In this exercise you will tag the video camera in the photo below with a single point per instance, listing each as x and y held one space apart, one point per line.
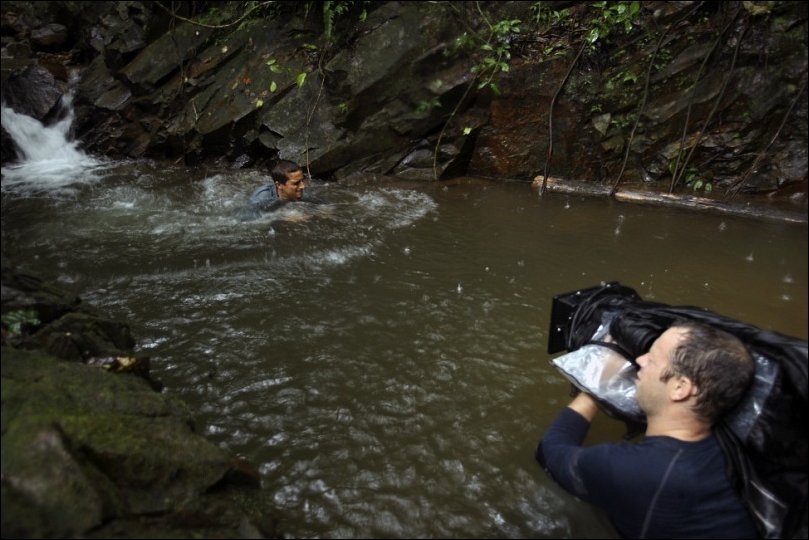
573 314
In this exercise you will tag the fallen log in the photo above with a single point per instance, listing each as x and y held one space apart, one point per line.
689 202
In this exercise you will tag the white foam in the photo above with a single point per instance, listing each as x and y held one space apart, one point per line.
50 161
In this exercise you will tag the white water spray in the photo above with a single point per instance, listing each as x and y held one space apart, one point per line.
50 161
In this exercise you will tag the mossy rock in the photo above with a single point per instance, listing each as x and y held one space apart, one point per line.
82 447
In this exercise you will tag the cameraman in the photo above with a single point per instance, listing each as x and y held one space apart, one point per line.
672 484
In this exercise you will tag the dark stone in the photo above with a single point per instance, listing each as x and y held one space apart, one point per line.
50 36
32 91
89 450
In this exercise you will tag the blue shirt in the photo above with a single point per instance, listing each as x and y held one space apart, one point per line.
265 199
660 487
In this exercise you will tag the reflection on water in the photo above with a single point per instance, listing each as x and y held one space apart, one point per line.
381 358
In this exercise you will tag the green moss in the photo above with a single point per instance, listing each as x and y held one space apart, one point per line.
81 445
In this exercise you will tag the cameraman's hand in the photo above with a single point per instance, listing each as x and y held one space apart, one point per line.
585 406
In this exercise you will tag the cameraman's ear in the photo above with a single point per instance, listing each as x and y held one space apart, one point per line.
681 388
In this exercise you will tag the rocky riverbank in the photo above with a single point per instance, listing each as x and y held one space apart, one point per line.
90 447
702 94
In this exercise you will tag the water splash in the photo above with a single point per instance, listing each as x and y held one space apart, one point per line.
51 162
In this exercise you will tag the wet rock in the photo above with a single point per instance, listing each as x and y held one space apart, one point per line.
50 36
46 493
32 91
120 30
363 105
164 56
418 165
116 98
81 446
22 291
90 447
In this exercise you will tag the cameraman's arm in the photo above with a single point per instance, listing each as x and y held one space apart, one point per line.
585 406
561 446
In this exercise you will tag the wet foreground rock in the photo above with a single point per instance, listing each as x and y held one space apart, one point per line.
91 449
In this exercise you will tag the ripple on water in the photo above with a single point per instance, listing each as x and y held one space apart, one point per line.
334 350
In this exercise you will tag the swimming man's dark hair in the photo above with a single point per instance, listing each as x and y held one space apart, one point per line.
282 169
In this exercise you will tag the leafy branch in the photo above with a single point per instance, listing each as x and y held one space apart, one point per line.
497 53
215 26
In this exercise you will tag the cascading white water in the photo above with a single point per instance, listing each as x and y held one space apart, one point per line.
51 162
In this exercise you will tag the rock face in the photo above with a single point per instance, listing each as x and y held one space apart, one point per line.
89 448
406 91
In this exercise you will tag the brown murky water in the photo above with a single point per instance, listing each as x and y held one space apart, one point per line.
381 358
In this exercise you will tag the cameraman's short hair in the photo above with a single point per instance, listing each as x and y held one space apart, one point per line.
717 362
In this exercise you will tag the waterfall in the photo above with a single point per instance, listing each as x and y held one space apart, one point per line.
50 161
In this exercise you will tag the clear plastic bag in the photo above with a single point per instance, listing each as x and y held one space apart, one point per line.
604 374
610 378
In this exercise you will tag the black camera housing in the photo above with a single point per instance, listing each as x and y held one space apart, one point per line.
564 306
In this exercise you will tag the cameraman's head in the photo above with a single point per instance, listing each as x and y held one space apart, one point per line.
696 365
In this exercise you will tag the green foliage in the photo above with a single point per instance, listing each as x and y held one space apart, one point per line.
462 44
547 18
695 182
15 320
227 14
620 79
698 184
224 13
622 121
608 16
333 10
758 8
552 51
692 179
496 53
427 105
272 63
663 59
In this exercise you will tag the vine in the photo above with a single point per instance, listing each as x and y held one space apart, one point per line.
676 168
550 117
737 186
718 100
495 61
640 112
645 97
215 26
608 15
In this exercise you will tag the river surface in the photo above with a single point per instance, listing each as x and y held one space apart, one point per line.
382 358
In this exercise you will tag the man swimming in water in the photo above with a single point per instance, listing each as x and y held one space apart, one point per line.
288 185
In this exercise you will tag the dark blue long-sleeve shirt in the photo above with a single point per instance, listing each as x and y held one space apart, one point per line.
265 199
658 488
